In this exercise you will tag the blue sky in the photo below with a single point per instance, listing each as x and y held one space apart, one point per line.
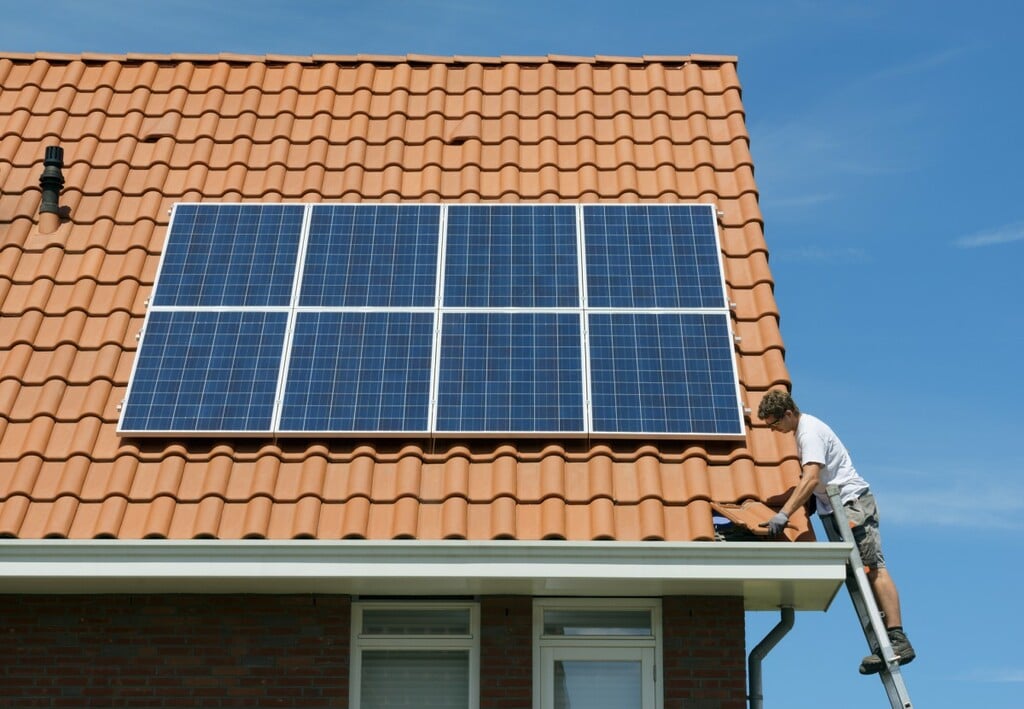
887 141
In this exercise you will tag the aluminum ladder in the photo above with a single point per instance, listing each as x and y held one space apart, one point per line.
838 528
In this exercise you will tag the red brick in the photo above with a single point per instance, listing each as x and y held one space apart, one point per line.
167 651
292 651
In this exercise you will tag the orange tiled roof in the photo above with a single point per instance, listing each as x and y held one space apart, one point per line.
141 132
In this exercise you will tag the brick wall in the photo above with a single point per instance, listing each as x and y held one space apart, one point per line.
506 653
174 651
704 652
292 651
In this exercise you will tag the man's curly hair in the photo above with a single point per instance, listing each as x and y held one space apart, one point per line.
776 403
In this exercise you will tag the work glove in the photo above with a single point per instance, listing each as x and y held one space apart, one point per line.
777 523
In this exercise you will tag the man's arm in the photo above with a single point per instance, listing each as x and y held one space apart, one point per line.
804 489
801 493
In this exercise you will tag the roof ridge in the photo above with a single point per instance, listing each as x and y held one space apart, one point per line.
411 58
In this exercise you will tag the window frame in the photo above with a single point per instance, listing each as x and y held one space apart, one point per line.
360 642
547 649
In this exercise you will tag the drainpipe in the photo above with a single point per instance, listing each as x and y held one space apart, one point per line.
758 654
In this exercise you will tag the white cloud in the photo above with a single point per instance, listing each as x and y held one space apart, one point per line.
1000 235
994 675
980 506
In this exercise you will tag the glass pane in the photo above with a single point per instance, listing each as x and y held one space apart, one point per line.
590 622
425 679
415 621
597 685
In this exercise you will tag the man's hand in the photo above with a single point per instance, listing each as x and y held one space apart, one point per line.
777 523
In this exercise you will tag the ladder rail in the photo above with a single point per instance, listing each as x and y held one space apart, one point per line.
838 528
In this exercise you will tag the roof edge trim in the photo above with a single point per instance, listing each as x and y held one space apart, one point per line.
803 575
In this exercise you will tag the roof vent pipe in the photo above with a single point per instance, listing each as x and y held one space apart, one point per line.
52 180
761 651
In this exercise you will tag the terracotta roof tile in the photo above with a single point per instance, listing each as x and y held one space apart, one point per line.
141 132
751 514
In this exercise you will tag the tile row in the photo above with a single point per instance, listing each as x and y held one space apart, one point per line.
88 162
80 108
358 518
93 435
137 80
469 185
340 476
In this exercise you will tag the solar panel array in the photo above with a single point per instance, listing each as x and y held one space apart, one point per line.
437 320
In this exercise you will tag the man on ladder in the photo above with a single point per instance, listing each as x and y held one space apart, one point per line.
825 461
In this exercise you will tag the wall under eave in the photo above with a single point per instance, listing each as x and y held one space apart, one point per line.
292 651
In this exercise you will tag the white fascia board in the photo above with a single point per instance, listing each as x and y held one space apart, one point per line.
804 575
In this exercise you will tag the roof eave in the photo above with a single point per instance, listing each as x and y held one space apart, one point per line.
805 576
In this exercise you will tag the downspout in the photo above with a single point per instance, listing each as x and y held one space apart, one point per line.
758 654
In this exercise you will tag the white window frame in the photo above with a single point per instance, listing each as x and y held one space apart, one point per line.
547 649
360 642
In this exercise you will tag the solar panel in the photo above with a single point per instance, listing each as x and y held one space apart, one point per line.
230 255
359 371
429 319
510 372
206 371
372 255
662 373
652 256
522 256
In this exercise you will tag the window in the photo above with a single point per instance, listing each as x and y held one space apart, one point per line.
597 654
423 655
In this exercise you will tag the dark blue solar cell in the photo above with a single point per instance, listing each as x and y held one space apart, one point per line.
510 372
381 255
652 256
663 373
511 256
359 371
230 255
206 372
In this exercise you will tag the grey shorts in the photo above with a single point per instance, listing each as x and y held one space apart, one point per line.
863 515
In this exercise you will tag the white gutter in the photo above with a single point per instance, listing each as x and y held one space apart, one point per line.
804 575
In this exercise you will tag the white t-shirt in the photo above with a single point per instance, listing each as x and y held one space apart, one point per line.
818 443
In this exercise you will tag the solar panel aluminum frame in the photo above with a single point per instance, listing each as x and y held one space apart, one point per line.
286 357
293 309
584 311
738 420
121 429
443 310
198 432
726 311
298 308
438 432
282 431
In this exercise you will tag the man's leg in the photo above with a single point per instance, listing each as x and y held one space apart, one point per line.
864 514
886 596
